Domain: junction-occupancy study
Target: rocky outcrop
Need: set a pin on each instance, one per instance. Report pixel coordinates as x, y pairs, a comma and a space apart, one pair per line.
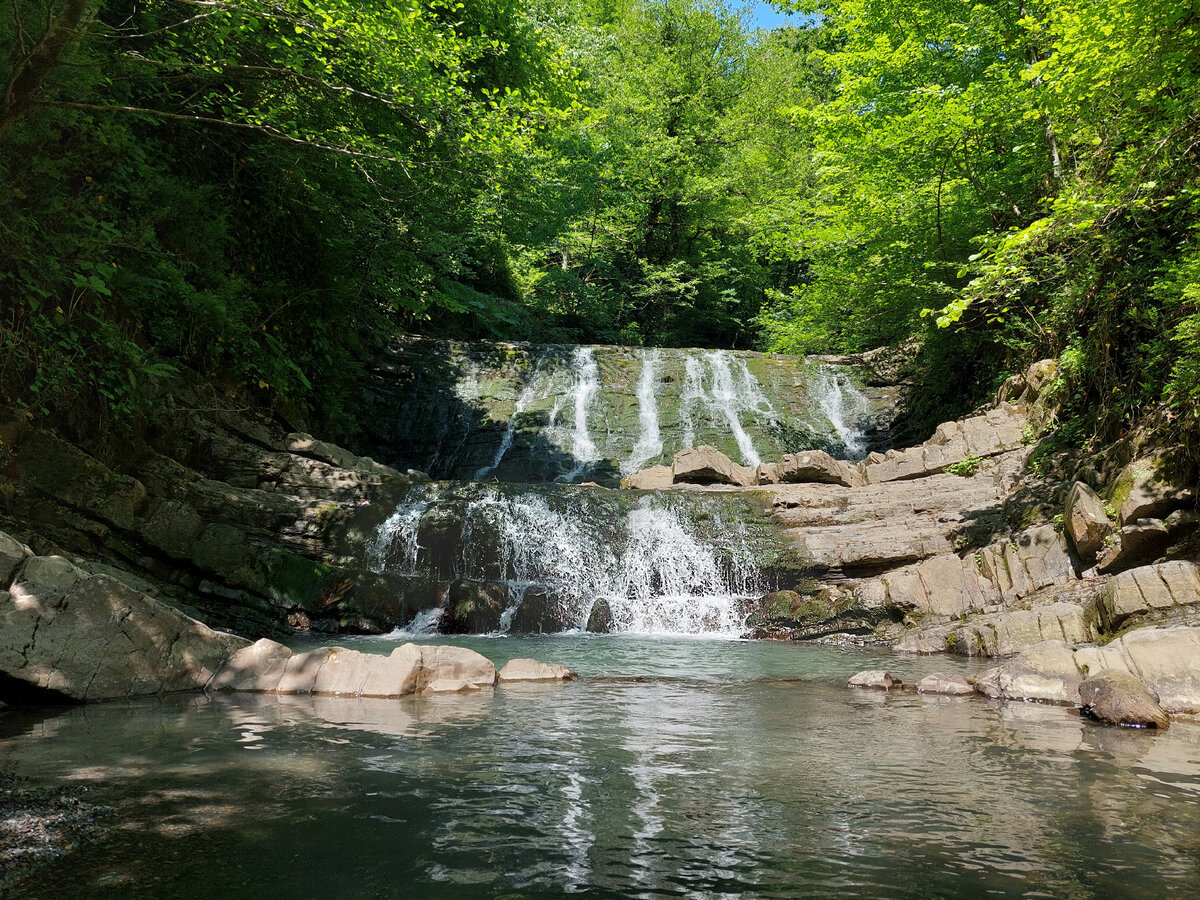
1152, 486
1117, 698
74, 636
1148, 592
1007, 633
1085, 520
271, 668
998, 431
1165, 660
708, 465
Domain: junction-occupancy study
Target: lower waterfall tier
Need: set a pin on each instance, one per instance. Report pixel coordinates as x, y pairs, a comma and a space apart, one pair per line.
456, 558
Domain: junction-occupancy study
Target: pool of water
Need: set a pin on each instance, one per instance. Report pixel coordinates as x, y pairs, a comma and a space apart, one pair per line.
673, 768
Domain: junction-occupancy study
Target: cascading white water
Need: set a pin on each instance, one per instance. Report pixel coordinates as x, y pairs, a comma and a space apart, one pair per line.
845, 407
730, 403
649, 443
691, 397
654, 572
585, 391
395, 545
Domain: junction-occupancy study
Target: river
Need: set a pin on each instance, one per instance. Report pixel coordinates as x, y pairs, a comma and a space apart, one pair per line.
675, 767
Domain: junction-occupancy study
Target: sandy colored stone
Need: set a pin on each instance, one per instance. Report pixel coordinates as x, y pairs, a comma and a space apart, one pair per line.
449, 686
1008, 633
708, 465
532, 670
811, 466
1045, 671
877, 679
651, 479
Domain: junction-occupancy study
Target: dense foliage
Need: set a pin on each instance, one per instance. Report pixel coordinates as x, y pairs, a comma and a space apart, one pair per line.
262, 191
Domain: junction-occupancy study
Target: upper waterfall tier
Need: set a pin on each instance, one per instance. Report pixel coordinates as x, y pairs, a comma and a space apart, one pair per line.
569, 413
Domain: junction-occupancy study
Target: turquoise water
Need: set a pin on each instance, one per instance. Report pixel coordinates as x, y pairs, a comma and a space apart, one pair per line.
673, 768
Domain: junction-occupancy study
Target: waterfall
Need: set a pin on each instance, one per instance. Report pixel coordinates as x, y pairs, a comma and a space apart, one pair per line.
649, 443
529, 394
730, 402
585, 391
845, 407
652, 568
395, 545
691, 397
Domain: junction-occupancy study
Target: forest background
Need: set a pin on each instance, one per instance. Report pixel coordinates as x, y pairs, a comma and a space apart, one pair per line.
263, 192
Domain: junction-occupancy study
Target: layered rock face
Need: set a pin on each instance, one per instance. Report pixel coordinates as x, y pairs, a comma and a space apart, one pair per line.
74, 636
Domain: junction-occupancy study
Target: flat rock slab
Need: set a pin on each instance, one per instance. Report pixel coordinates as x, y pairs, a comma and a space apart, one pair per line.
877, 679
532, 670
269, 667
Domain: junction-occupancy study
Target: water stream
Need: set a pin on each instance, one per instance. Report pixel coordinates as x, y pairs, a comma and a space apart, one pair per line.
675, 768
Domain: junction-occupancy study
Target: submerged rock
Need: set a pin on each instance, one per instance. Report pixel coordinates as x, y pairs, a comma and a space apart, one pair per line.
532, 670
941, 683
1117, 698
875, 678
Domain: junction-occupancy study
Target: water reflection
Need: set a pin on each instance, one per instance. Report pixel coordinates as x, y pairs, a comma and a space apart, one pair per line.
726, 770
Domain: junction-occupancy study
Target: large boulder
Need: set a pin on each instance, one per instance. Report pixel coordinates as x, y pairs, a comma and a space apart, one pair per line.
1140, 543
1045, 672
708, 465
810, 467
1152, 486
1165, 660
1086, 522
95, 638
1115, 697
269, 667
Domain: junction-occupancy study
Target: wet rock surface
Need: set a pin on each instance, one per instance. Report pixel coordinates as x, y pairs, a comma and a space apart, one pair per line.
1117, 698
532, 670
941, 683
